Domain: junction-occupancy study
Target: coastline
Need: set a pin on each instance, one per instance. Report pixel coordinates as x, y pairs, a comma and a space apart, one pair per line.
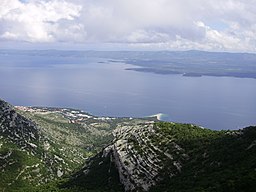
159, 116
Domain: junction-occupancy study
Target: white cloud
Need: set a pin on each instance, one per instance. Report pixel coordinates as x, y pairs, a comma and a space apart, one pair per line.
8, 35
36, 21
164, 24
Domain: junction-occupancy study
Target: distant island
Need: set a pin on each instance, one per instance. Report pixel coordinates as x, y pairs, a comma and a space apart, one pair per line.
187, 63
196, 63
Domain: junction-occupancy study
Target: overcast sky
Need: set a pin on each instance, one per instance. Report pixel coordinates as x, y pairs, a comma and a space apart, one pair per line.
214, 25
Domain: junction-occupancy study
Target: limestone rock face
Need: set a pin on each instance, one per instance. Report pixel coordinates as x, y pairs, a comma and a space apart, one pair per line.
138, 159
18, 129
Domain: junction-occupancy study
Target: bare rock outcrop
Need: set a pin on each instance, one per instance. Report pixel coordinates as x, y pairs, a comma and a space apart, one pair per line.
138, 159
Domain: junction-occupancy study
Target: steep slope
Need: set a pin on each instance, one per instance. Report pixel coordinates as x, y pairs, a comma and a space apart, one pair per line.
172, 157
10, 157
53, 143
22, 158
39, 145
17, 128
28, 156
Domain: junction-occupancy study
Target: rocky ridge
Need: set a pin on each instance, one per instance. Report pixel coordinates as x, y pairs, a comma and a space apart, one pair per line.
150, 156
138, 160
17, 128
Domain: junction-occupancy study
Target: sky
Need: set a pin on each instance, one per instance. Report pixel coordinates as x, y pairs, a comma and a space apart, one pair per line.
211, 25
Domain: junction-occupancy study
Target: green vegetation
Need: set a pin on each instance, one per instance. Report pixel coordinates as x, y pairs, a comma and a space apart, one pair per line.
217, 160
62, 150
52, 147
101, 176
202, 160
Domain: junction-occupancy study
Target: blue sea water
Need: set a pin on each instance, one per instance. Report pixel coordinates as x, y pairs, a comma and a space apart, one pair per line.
105, 88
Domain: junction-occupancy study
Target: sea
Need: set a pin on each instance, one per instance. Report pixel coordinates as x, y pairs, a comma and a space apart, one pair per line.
104, 87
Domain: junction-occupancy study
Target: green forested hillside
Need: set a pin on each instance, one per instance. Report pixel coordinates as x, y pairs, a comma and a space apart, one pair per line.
54, 149
217, 160
189, 158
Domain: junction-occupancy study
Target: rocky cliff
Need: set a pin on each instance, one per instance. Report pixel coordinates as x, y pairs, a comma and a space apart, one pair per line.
138, 159
18, 129
24, 160
150, 156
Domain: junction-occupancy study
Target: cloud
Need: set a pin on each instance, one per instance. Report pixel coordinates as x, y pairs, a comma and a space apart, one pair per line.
38, 21
164, 24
